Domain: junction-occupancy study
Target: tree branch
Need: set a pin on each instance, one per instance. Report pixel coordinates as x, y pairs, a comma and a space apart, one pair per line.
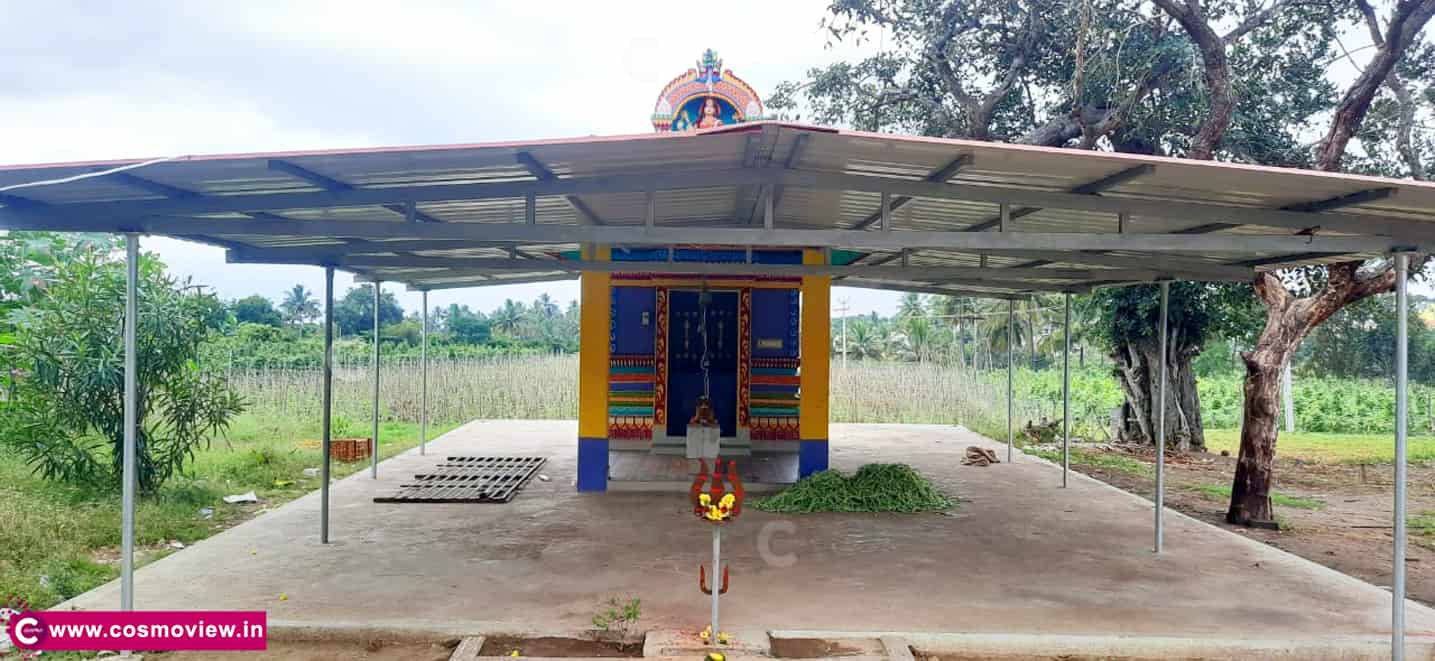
1253, 21
1217, 72
1403, 99
1408, 19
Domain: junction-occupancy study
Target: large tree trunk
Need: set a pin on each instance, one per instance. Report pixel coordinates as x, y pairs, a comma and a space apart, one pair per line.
1138, 372
1288, 321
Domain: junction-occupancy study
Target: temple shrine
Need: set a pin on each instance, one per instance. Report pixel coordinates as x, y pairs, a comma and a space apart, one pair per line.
654, 343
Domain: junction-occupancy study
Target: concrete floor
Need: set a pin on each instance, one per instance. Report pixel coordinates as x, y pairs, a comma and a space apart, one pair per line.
1019, 556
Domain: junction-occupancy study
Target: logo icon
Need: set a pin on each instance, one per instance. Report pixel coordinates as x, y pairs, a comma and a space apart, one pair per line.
24, 630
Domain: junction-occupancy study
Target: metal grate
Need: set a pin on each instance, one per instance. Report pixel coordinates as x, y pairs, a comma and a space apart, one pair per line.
468, 480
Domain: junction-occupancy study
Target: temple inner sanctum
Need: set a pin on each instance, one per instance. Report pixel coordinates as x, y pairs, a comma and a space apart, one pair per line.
754, 348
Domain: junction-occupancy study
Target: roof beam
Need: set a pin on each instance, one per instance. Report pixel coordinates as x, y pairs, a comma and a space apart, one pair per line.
334, 185
542, 173
842, 239
1090, 188
120, 214
477, 281
912, 273
940, 175
794, 159
915, 277
162, 190
756, 153
1329, 204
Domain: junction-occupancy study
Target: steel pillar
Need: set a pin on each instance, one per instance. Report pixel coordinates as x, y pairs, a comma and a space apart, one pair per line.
1066, 393
374, 442
127, 453
1161, 423
326, 426
1010, 374
1397, 584
424, 378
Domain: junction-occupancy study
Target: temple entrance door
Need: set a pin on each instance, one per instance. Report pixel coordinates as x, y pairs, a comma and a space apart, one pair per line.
685, 355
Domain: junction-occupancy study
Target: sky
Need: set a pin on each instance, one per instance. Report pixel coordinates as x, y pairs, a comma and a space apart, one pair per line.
152, 79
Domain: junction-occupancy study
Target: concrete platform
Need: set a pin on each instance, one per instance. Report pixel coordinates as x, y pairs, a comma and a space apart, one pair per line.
1019, 557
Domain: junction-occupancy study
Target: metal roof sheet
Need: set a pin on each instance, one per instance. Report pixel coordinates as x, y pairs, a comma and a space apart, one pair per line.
1079, 211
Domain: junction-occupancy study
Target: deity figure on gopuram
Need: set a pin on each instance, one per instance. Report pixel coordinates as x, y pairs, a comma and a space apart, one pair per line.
705, 97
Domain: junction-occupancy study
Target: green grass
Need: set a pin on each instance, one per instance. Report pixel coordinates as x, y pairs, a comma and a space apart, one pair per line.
1330, 448
1106, 460
1223, 492
55, 538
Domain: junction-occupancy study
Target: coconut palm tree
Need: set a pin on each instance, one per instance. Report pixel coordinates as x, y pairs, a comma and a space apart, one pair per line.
299, 305
507, 319
912, 305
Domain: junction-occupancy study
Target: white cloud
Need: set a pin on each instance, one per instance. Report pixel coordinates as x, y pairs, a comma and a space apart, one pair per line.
103, 81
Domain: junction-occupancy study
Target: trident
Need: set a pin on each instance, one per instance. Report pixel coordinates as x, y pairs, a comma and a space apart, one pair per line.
716, 506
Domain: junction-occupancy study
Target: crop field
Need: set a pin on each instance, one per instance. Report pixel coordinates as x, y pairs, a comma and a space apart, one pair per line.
545, 387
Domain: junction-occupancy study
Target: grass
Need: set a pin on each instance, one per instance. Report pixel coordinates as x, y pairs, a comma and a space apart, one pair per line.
1330, 448
1223, 492
57, 540
1106, 460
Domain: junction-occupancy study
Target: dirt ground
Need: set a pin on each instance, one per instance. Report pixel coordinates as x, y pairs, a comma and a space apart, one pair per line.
323, 651
1351, 533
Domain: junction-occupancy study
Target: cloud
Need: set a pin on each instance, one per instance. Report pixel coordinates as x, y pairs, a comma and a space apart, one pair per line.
149, 78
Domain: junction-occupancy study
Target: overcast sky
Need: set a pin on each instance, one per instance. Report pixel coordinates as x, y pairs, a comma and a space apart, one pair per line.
136, 79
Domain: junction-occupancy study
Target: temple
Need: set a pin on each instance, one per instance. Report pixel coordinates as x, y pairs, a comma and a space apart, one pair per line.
656, 341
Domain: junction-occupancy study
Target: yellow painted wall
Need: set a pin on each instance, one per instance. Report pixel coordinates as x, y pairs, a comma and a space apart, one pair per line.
593, 330
816, 349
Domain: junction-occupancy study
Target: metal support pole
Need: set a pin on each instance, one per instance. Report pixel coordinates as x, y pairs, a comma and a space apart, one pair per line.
327, 425
716, 585
1287, 398
127, 454
1161, 423
424, 379
1010, 374
1066, 395
1397, 584
374, 442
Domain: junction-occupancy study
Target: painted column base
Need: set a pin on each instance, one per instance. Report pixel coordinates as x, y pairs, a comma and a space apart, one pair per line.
592, 464
811, 457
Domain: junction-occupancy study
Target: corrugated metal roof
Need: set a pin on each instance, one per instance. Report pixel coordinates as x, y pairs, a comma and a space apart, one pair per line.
351, 208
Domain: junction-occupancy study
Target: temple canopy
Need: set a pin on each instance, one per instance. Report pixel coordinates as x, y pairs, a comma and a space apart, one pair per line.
963, 218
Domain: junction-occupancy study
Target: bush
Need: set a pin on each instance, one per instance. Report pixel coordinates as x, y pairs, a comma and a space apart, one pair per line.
66, 414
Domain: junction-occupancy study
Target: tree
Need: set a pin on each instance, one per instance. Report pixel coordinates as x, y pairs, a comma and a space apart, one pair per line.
66, 417
299, 305
912, 305
1296, 303
507, 319
1128, 327
354, 313
1097, 74
256, 309
467, 326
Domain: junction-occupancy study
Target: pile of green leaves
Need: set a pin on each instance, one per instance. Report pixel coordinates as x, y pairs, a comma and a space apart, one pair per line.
873, 488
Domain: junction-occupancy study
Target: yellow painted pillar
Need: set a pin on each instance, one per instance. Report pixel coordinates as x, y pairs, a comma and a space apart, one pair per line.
813, 377
594, 325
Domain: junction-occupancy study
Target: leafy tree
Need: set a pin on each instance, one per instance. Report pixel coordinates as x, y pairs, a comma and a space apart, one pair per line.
507, 319
467, 326
354, 313
256, 309
299, 305
1102, 74
66, 417
912, 305
1129, 319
